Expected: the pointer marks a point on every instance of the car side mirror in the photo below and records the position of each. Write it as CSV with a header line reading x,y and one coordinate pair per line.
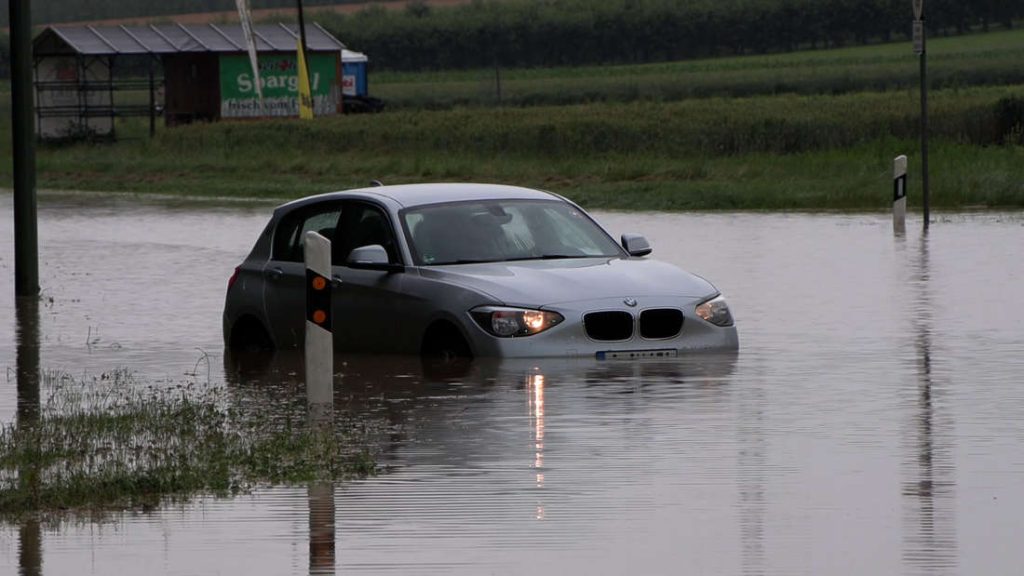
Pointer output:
x,y
636,245
372,257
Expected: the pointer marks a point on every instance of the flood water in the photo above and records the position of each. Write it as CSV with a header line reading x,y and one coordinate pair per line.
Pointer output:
x,y
872,422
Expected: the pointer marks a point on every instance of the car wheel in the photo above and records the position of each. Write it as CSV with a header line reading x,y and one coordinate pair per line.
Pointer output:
x,y
445,352
249,335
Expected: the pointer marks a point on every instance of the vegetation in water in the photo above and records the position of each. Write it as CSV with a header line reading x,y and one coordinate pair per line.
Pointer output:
x,y
108,442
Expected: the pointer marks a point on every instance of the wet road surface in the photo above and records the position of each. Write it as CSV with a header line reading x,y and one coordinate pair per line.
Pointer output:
x,y
872,423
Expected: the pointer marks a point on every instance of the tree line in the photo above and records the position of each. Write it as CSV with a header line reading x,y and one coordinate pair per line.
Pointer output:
x,y
57,11
531,33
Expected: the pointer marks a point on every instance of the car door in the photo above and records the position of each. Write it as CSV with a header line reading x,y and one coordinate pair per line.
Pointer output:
x,y
369,305
284,293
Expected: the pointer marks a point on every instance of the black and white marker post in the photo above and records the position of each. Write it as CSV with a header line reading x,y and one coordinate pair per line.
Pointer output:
x,y
899,195
319,338
319,393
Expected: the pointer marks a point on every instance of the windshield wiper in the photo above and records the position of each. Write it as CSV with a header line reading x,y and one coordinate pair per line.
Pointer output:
x,y
464,261
519,259
555,257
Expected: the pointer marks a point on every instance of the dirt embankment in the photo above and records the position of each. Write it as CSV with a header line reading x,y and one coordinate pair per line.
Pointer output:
x,y
260,14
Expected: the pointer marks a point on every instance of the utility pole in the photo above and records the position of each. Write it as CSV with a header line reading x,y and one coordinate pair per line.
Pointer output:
x,y
920,48
302,32
307,110
26,235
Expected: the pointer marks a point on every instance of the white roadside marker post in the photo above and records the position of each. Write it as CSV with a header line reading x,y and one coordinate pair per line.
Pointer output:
x,y
319,338
899,195
320,393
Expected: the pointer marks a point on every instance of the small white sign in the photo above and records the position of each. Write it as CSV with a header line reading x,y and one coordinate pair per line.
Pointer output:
x,y
918,37
918,8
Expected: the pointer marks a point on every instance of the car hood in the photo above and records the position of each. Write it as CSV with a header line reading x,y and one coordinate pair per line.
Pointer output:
x,y
549,282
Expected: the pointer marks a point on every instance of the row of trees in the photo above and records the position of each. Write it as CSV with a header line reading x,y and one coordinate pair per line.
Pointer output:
x,y
530,33
572,32
56,11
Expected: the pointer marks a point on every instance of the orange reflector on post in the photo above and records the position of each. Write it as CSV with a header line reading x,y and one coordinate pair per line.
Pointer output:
x,y
318,300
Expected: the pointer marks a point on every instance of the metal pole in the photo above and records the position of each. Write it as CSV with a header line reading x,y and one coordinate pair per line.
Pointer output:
x,y
497,79
924,125
110,97
302,33
305,83
26,235
152,103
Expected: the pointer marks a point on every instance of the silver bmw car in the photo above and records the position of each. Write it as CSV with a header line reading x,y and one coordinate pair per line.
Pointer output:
x,y
463,270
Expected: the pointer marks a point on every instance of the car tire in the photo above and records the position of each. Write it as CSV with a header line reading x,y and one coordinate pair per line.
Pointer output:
x,y
445,352
249,335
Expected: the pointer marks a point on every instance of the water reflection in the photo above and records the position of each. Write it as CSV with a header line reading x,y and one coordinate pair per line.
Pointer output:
x,y
27,359
460,425
752,459
828,450
535,406
931,546
320,496
30,554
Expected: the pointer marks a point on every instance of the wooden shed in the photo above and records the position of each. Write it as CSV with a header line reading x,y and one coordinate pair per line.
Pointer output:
x,y
87,76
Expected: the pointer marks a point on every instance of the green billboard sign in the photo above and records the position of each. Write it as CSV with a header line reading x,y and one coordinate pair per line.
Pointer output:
x,y
279,81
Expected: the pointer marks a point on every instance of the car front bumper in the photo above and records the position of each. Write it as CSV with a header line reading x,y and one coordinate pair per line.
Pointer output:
x,y
570,339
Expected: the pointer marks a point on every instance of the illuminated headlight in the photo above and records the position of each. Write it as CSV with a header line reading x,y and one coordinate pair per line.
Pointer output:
x,y
715,311
510,322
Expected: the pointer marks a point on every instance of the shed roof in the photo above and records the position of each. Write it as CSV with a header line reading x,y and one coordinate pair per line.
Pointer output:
x,y
173,38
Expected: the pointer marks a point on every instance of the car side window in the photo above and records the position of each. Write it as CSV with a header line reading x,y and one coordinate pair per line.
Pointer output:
x,y
363,224
288,240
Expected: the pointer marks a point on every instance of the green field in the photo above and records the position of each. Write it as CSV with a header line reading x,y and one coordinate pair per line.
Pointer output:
x,y
829,148
955,62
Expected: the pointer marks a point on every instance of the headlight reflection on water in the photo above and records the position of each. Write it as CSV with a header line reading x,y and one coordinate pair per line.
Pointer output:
x,y
535,404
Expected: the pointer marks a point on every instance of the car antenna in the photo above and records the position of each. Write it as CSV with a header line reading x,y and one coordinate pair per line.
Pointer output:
x,y
376,183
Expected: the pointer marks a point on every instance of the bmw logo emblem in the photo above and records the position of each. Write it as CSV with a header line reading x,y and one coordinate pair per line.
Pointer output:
x,y
631,302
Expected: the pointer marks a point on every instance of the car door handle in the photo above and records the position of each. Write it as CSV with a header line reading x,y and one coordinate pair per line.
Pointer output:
x,y
336,280
275,273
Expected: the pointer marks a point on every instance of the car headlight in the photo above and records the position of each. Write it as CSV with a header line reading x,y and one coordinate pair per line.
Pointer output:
x,y
715,311
507,322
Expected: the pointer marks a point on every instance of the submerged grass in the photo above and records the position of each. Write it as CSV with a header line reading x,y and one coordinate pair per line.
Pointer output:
x,y
107,443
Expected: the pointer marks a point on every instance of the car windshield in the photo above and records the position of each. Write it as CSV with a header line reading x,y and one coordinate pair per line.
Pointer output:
x,y
503,230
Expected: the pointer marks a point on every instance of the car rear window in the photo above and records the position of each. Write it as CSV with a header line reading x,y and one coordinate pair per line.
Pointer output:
x,y
288,240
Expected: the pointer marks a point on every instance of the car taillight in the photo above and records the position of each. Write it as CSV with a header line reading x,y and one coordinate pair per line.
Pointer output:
x,y
234,276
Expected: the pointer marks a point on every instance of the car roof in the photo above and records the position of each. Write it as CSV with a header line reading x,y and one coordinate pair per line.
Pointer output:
x,y
407,195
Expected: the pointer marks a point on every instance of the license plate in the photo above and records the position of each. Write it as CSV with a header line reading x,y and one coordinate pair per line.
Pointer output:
x,y
636,354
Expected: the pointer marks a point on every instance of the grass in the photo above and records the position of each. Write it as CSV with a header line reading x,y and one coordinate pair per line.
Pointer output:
x,y
765,152
829,149
956,62
107,443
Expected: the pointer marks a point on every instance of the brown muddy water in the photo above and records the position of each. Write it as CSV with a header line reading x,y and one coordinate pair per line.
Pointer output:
x,y
872,422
